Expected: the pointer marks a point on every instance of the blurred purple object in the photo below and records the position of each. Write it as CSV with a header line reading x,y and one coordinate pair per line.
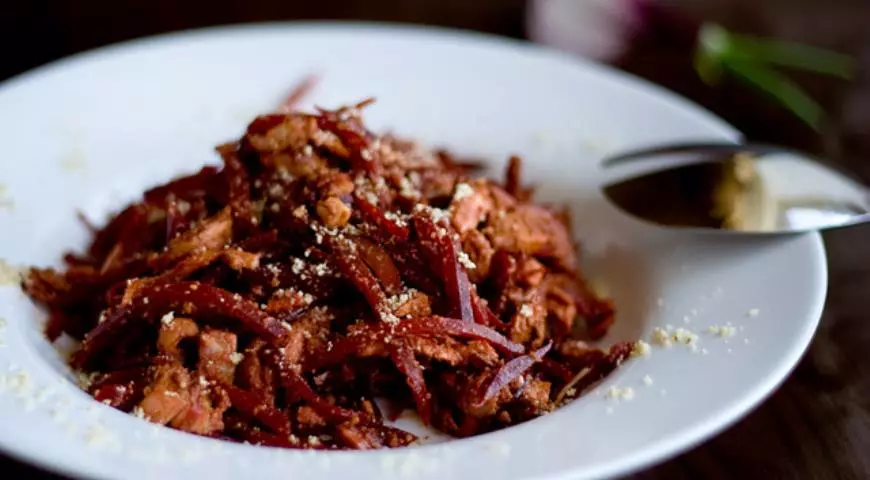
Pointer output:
x,y
604,29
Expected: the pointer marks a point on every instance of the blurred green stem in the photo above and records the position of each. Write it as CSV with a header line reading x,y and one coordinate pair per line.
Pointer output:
x,y
751,60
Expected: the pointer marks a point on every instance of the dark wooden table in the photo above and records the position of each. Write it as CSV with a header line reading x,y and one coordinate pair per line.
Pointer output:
x,y
817,425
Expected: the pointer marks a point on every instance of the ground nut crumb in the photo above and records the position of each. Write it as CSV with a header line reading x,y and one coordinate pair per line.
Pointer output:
x,y
684,336
661,337
640,349
619,393
463,190
723,331
9,275
167,319
236,358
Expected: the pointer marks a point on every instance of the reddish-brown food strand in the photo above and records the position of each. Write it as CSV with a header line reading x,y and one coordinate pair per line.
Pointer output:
x,y
272,300
302,89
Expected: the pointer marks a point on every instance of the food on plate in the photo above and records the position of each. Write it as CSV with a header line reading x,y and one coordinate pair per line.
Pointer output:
x,y
273,299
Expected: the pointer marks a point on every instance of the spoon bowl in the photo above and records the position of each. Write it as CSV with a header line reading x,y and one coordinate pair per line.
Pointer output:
x,y
737,188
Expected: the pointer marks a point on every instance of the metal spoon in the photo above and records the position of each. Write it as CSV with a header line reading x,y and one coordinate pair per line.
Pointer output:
x,y
748,188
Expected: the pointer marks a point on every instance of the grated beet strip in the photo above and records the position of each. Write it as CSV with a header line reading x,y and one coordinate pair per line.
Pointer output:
x,y
405,361
508,372
375,216
442,251
298,388
380,264
239,190
432,326
354,138
251,405
298,92
354,269
482,313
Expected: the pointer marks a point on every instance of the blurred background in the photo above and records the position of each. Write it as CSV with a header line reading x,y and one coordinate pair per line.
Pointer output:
x,y
818,424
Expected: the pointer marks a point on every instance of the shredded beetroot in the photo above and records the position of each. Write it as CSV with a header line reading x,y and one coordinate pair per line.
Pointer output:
x,y
238,189
460,328
381,264
250,405
352,266
483,315
510,371
297,94
374,215
441,250
405,361
270,300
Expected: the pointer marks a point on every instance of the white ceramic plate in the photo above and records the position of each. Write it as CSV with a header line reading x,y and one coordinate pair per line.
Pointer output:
x,y
90,132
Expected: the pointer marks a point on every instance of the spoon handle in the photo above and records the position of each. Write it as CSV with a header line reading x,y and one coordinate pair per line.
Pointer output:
x,y
709,148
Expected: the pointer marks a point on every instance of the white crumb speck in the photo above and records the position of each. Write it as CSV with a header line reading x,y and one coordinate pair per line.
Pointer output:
x,y
389,318
236,358
640,349
298,266
6,202
99,437
746,341
466,261
526,310
463,190
539,138
500,448
647,380
661,337
686,319
704,351
686,337
19,383
620,393
42,394
9,275
722,331
168,318
753,312
73,161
